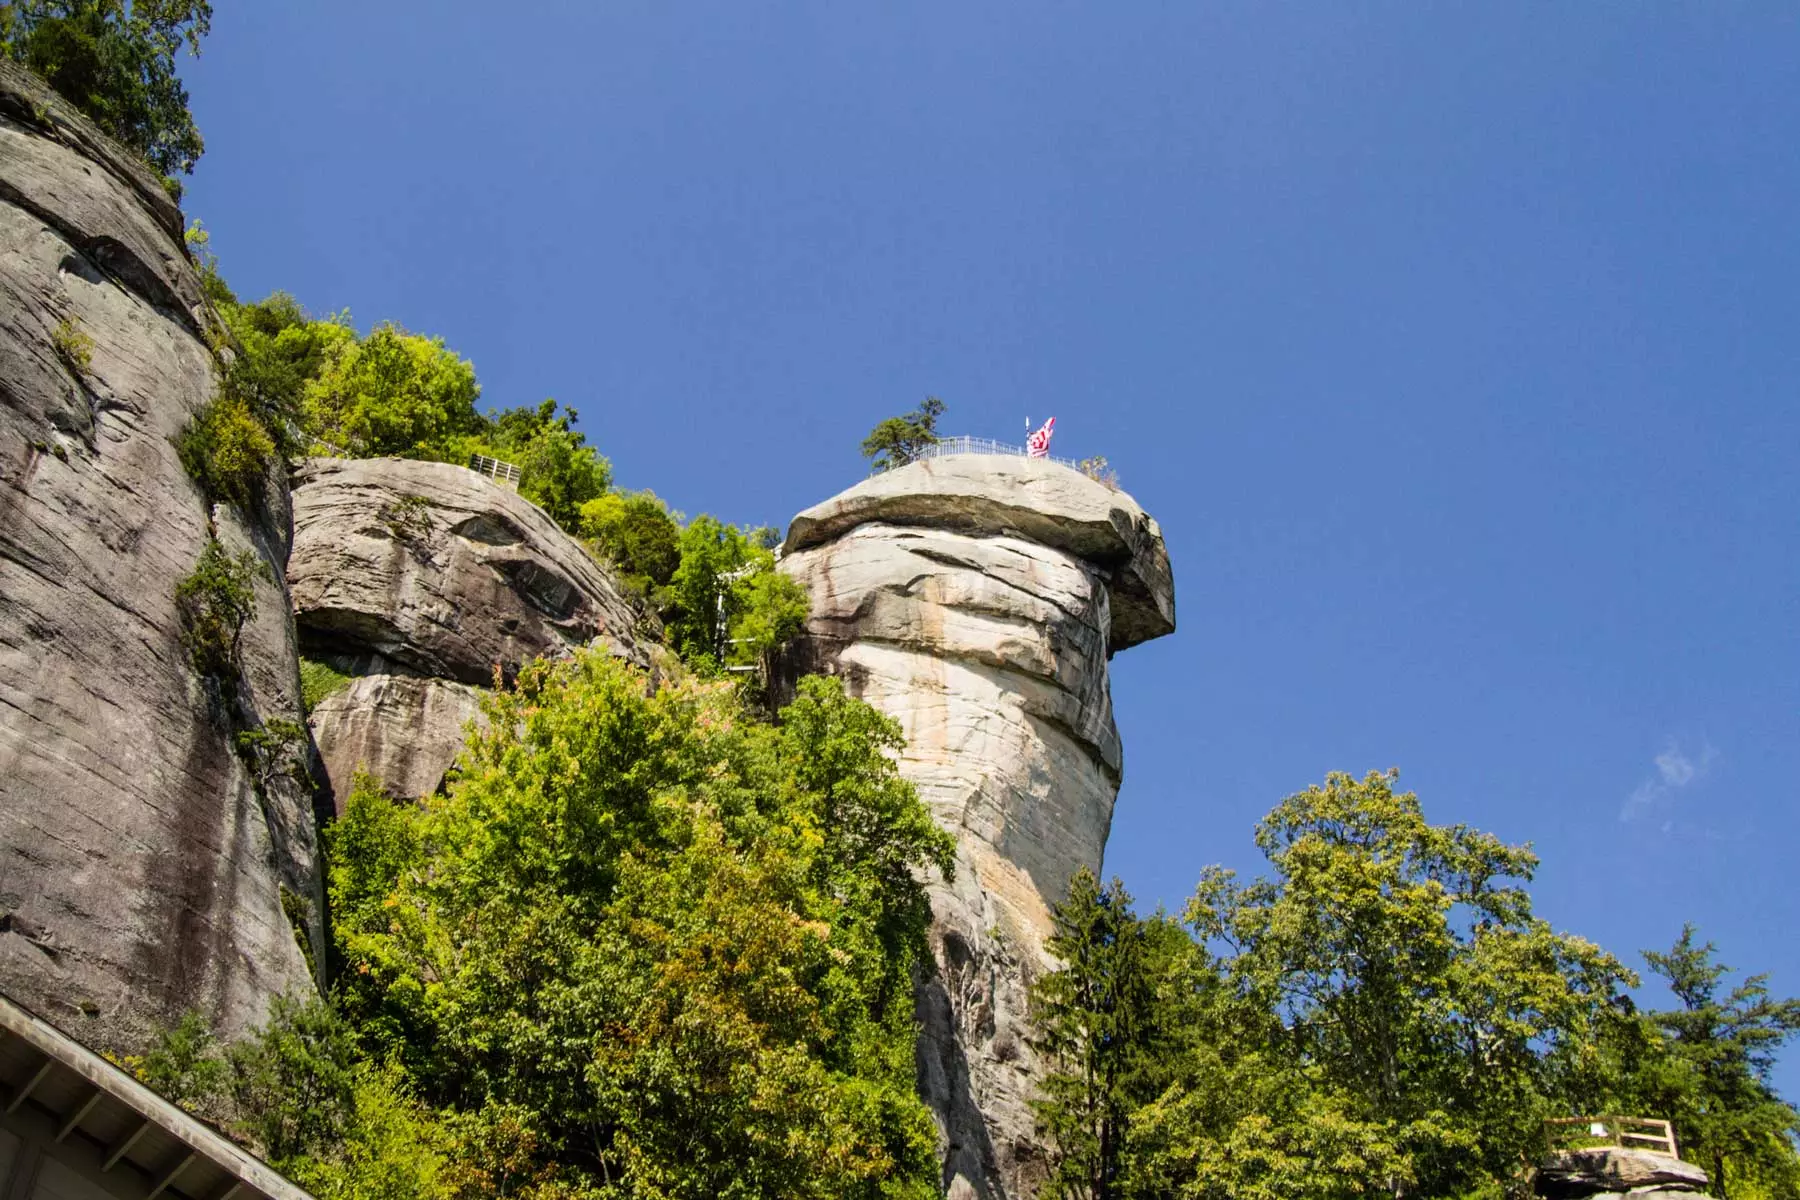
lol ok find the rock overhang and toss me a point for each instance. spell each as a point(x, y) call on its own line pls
point(1040, 501)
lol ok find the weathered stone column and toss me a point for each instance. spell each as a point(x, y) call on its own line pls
point(976, 599)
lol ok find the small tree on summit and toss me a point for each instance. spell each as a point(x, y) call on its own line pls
point(900, 440)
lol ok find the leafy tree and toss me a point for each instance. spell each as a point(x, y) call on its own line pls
point(636, 531)
point(1712, 1075)
point(227, 451)
point(674, 943)
point(214, 602)
point(1414, 1014)
point(727, 603)
point(900, 440)
point(115, 60)
point(395, 393)
point(559, 472)
point(1095, 1019)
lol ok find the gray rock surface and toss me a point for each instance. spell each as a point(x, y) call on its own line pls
point(443, 572)
point(976, 600)
point(141, 867)
point(405, 730)
point(1610, 1169)
point(421, 579)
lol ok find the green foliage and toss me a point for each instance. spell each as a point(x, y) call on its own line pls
point(727, 604)
point(665, 949)
point(395, 393)
point(73, 345)
point(899, 440)
point(293, 1084)
point(559, 471)
point(115, 60)
point(635, 531)
point(319, 680)
point(1712, 1074)
point(214, 602)
point(227, 451)
point(280, 352)
point(1382, 1015)
point(184, 1064)
point(273, 749)
point(1096, 1026)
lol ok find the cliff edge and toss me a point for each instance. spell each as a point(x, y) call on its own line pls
point(976, 599)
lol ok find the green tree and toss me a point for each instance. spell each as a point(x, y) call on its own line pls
point(115, 60)
point(1414, 1005)
point(394, 393)
point(679, 941)
point(1095, 1021)
point(900, 440)
point(636, 531)
point(214, 602)
point(1712, 1075)
point(559, 471)
point(727, 603)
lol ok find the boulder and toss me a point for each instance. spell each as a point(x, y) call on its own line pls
point(442, 571)
point(1611, 1169)
point(405, 730)
point(144, 870)
point(976, 600)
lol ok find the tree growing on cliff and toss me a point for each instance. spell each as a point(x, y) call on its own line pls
point(115, 61)
point(900, 440)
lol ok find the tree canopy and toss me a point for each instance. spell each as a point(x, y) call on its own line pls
point(1382, 1014)
point(115, 60)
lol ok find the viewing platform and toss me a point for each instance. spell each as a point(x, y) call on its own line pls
point(947, 446)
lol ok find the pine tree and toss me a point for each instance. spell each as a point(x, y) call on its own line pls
point(1093, 1022)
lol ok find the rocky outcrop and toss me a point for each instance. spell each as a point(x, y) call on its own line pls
point(976, 599)
point(1605, 1172)
point(405, 730)
point(144, 871)
point(424, 579)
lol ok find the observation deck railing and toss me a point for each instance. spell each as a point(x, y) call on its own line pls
point(946, 446)
point(496, 470)
point(1627, 1133)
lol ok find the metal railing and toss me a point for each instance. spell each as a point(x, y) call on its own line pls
point(500, 472)
point(946, 446)
point(1585, 1133)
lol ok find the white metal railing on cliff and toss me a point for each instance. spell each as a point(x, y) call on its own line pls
point(494, 469)
point(946, 446)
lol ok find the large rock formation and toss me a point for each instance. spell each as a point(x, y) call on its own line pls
point(422, 579)
point(142, 867)
point(977, 599)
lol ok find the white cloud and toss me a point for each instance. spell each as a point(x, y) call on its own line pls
point(1675, 770)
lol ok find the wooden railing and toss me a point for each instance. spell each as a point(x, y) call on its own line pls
point(1632, 1133)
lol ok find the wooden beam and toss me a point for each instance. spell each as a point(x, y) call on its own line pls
point(75, 1118)
point(124, 1147)
point(30, 1085)
point(174, 1171)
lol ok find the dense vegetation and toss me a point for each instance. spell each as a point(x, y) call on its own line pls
point(899, 440)
point(115, 60)
point(647, 945)
point(1383, 1015)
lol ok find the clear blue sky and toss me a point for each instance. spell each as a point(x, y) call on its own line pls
point(1454, 347)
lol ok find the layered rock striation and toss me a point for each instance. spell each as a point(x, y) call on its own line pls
point(976, 599)
point(144, 869)
point(423, 580)
point(1612, 1173)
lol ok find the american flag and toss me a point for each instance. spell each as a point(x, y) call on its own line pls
point(1038, 444)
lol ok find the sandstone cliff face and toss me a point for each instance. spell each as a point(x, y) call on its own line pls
point(422, 579)
point(141, 869)
point(977, 599)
